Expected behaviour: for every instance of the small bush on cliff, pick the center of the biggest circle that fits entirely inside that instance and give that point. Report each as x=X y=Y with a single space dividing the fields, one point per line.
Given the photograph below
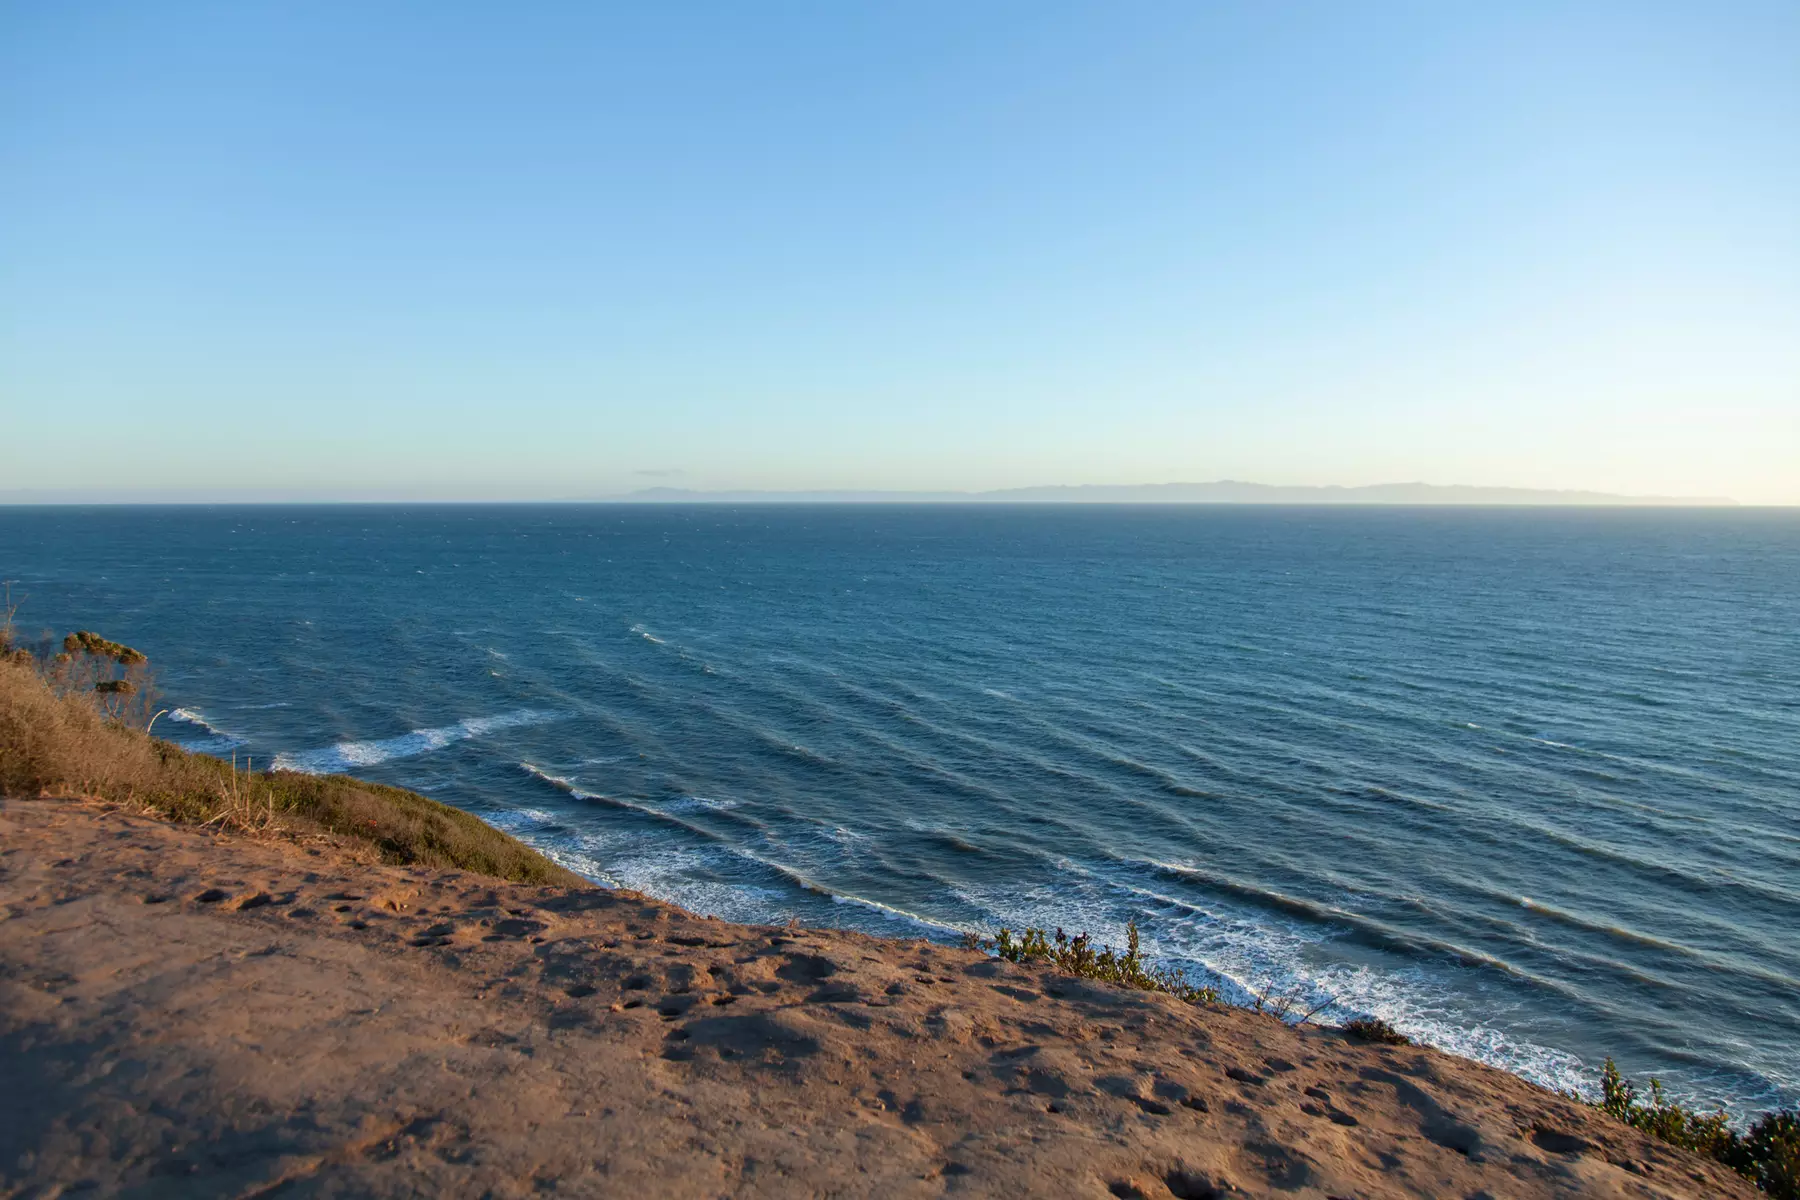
x=1771 y=1153
x=84 y=641
x=1708 y=1134
x=115 y=674
x=1768 y=1154
x=1374 y=1029
x=1078 y=956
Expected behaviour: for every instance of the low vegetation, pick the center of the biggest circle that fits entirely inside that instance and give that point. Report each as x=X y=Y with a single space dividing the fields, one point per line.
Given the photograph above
x=71 y=724
x=1376 y=1030
x=1767 y=1153
x=1078 y=956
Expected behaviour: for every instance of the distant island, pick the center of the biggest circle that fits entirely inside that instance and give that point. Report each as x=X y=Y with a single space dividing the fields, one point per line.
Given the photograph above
x=1223 y=491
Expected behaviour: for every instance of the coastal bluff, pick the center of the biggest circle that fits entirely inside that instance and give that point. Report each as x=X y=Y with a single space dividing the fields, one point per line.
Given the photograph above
x=190 y=1013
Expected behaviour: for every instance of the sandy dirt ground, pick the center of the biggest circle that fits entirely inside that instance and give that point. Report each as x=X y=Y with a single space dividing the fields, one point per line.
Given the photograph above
x=188 y=1014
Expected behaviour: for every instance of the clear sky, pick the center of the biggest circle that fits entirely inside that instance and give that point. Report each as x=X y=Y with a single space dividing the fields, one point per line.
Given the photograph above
x=548 y=250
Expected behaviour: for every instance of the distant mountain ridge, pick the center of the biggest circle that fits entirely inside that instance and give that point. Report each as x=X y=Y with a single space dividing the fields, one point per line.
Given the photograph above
x=1223 y=491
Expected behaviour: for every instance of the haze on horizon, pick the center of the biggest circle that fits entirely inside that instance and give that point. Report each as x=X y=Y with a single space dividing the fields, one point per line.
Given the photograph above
x=489 y=252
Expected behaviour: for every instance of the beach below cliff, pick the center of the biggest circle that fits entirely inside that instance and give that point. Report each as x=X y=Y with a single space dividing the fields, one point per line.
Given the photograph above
x=199 y=1014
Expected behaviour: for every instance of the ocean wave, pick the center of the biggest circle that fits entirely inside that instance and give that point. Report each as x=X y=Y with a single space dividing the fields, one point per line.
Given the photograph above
x=945 y=839
x=562 y=784
x=891 y=913
x=194 y=717
x=849 y=840
x=797 y=879
x=570 y=787
x=689 y=803
x=1383 y=935
x=216 y=741
x=927 y=765
x=519 y=820
x=680 y=875
x=1676 y=874
x=677 y=876
x=1245 y=957
x=348 y=756
x=1711 y=957
x=1604 y=928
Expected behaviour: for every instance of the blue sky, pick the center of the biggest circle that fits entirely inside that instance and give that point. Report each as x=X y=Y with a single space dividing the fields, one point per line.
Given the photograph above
x=531 y=251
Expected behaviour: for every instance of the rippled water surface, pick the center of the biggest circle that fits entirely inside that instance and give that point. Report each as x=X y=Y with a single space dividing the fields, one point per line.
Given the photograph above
x=1523 y=782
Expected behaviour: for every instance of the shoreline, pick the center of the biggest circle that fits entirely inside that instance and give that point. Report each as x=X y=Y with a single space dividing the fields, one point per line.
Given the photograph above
x=321 y=1023
x=133 y=849
x=1410 y=817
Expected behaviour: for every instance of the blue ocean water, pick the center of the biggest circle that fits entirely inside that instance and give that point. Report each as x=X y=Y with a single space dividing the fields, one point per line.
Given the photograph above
x=1524 y=782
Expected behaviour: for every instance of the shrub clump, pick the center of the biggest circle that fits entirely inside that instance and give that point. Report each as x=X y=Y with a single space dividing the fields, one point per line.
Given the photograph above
x=1078 y=956
x=117 y=675
x=83 y=641
x=1376 y=1030
x=1768 y=1154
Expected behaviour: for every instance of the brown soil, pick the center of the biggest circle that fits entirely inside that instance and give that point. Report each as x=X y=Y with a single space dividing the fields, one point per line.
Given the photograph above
x=184 y=1014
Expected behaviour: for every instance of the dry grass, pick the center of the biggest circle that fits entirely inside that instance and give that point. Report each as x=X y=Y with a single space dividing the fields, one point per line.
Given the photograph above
x=63 y=741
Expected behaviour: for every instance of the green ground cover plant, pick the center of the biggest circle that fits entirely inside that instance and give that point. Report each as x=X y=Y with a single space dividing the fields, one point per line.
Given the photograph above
x=1376 y=1030
x=1078 y=956
x=1767 y=1152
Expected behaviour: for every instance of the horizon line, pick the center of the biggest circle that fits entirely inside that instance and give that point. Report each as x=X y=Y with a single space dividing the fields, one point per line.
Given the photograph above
x=1222 y=492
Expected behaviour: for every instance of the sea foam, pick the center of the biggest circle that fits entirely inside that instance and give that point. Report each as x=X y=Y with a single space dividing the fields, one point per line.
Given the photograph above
x=215 y=741
x=349 y=756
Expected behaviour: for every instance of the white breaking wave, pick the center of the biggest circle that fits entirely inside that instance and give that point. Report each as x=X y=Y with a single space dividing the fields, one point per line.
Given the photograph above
x=890 y=913
x=679 y=875
x=347 y=756
x=518 y=820
x=1244 y=956
x=217 y=740
x=194 y=717
x=689 y=803
x=572 y=788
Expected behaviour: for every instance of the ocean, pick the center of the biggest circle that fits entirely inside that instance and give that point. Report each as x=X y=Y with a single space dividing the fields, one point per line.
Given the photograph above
x=1524 y=782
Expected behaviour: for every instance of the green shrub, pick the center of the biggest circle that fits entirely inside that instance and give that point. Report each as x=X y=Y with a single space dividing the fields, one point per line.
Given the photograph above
x=1768 y=1154
x=1078 y=956
x=83 y=641
x=1374 y=1029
